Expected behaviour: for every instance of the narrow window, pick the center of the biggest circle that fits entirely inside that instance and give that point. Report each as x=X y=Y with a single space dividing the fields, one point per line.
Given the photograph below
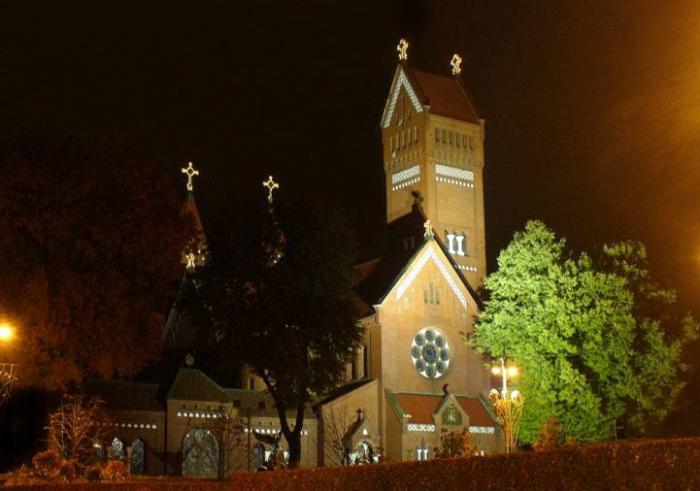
x=437 y=135
x=415 y=134
x=444 y=136
x=452 y=137
x=464 y=141
x=251 y=383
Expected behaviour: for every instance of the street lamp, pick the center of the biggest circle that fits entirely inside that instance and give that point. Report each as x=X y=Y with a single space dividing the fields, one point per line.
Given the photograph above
x=7 y=333
x=8 y=371
x=509 y=406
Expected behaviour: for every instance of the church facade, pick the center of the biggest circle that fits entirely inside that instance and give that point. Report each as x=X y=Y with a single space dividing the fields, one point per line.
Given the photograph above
x=414 y=377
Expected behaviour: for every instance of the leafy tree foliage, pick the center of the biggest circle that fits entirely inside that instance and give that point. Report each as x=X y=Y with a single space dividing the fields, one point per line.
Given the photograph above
x=593 y=350
x=89 y=250
x=277 y=291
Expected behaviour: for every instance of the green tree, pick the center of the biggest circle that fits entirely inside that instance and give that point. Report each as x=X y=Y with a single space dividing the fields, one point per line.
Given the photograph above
x=662 y=335
x=89 y=251
x=277 y=298
x=571 y=326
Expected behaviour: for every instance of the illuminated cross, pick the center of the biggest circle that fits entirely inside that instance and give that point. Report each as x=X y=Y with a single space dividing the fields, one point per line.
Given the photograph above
x=428 y=230
x=456 y=63
x=402 y=48
x=190 y=172
x=271 y=185
x=190 y=257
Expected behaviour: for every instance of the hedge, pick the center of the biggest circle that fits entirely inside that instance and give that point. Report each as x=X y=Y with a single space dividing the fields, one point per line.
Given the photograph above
x=637 y=464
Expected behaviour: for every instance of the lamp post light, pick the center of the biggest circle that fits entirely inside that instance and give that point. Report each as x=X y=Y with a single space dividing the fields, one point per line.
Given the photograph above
x=8 y=371
x=509 y=406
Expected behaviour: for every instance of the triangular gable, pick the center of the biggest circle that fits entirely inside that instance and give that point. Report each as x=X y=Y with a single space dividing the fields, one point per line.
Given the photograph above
x=449 y=399
x=431 y=252
x=400 y=80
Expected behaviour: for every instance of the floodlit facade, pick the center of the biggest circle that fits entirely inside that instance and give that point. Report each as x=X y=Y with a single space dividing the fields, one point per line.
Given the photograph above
x=414 y=376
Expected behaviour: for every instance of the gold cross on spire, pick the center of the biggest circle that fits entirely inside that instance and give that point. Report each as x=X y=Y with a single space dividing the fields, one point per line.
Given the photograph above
x=456 y=63
x=271 y=185
x=428 y=230
x=190 y=172
x=402 y=48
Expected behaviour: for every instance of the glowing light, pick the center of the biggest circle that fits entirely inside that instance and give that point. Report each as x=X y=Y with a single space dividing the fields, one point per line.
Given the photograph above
x=402 y=49
x=513 y=371
x=456 y=63
x=495 y=371
x=190 y=258
x=7 y=333
x=420 y=427
x=515 y=394
x=488 y=430
x=190 y=172
x=428 y=230
x=271 y=185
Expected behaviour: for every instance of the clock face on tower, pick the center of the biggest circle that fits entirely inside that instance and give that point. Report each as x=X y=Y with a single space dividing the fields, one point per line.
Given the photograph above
x=430 y=353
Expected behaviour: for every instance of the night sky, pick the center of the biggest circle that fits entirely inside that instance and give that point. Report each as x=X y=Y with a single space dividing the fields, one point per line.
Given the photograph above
x=592 y=108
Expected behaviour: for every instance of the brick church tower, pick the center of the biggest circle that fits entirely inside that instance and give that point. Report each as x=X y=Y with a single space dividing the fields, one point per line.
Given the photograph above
x=433 y=141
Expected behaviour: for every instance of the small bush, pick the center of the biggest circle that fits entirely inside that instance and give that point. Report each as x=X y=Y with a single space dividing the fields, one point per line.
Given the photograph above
x=93 y=473
x=46 y=464
x=68 y=470
x=115 y=470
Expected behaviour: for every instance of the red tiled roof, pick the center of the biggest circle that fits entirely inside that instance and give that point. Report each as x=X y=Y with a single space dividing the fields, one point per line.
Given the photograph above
x=446 y=96
x=421 y=407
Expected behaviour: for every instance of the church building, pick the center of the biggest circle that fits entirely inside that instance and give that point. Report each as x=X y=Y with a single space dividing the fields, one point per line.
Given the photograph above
x=414 y=377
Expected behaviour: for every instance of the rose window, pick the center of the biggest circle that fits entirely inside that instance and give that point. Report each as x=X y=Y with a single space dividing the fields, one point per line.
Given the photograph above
x=430 y=353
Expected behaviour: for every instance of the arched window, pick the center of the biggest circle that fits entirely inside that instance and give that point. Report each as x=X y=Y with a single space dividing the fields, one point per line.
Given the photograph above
x=116 y=449
x=137 y=456
x=258 y=456
x=200 y=454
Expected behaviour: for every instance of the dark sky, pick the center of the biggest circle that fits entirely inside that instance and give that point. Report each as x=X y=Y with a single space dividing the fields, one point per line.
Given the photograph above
x=592 y=108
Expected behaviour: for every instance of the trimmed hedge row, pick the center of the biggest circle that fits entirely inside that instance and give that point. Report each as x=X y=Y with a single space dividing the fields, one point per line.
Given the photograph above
x=638 y=464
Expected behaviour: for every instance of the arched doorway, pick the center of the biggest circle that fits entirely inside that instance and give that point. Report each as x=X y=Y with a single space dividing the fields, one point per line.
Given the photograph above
x=137 y=456
x=258 y=456
x=200 y=454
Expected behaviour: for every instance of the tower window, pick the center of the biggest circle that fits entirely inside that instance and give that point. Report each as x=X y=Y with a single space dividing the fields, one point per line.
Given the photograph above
x=415 y=134
x=464 y=141
x=458 y=140
x=437 y=135
x=452 y=137
x=444 y=136
x=471 y=142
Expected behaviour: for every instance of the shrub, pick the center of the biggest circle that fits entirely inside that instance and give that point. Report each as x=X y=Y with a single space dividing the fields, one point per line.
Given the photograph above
x=68 y=470
x=46 y=464
x=454 y=444
x=93 y=473
x=115 y=470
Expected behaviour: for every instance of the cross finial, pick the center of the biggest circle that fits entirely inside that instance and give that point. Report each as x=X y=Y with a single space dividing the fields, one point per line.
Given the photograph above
x=402 y=48
x=190 y=172
x=271 y=185
x=456 y=63
x=191 y=264
x=428 y=230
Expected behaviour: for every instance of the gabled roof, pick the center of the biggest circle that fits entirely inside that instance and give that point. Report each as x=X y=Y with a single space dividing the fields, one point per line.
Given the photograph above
x=421 y=407
x=376 y=278
x=442 y=95
x=192 y=384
